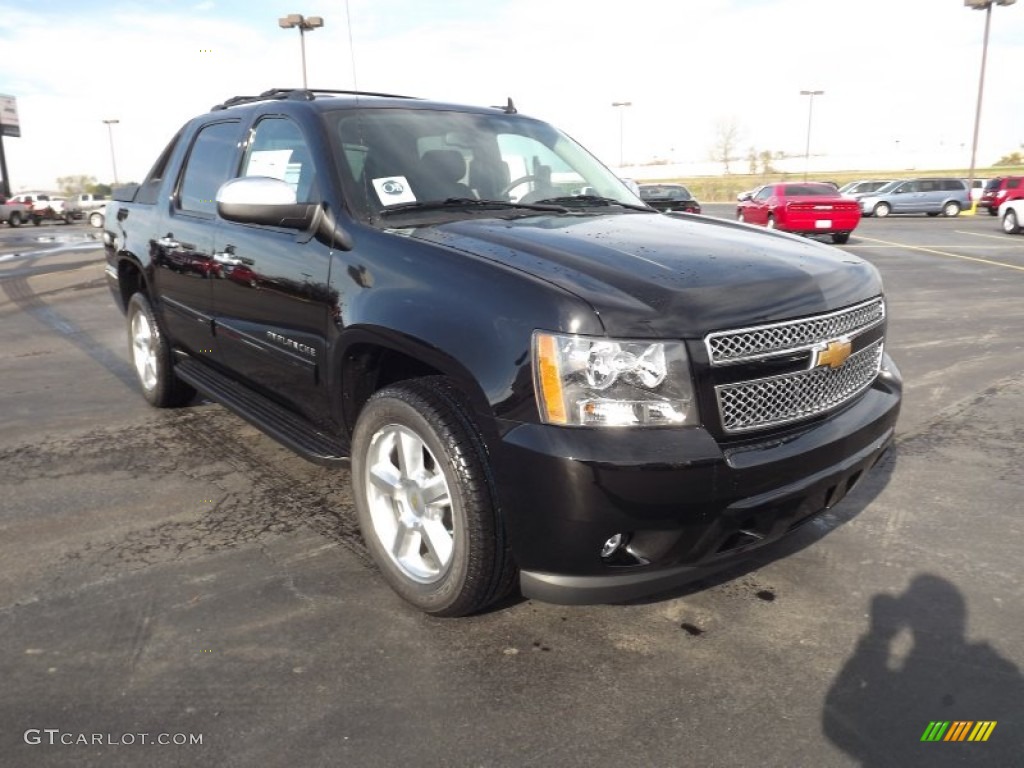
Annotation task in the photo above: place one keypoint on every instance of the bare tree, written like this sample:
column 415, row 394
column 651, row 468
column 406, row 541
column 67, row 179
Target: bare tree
column 727, row 137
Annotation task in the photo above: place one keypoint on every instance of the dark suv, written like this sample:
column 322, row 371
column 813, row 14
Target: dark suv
column 999, row 190
column 571, row 389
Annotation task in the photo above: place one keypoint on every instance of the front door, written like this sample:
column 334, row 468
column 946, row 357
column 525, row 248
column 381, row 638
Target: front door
column 272, row 297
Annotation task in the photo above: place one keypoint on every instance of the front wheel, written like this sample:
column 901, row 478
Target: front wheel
column 96, row 219
column 739, row 217
column 882, row 210
column 15, row 219
column 770, row 223
column 951, row 209
column 1011, row 224
column 151, row 357
column 424, row 495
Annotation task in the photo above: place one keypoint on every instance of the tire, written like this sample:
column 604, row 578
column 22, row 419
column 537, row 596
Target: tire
column 1011, row 224
column 96, row 219
column 770, row 224
column 739, row 217
column 951, row 209
column 840, row 238
column 882, row 210
column 992, row 211
column 37, row 220
column 14, row 220
column 413, row 441
column 151, row 357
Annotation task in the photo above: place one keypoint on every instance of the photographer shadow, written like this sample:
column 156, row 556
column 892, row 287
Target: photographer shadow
column 914, row 666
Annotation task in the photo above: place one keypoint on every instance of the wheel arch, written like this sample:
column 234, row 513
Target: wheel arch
column 374, row 358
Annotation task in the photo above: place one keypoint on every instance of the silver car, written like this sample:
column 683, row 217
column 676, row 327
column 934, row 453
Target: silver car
column 931, row 196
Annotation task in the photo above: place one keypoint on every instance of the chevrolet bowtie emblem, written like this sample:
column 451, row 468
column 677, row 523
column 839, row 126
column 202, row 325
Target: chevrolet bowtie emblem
column 833, row 354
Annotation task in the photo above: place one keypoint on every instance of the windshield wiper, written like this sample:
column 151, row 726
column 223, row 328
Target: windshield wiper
column 594, row 200
column 468, row 202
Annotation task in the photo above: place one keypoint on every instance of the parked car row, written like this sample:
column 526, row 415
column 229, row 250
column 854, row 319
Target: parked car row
column 37, row 207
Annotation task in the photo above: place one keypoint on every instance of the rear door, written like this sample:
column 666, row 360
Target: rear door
column 182, row 252
column 272, row 298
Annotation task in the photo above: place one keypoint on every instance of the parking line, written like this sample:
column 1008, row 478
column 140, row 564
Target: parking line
column 943, row 253
column 994, row 237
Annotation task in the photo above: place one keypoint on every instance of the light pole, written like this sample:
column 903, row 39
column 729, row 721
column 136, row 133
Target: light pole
column 622, row 111
column 981, row 5
column 110, row 135
column 810, row 113
column 305, row 25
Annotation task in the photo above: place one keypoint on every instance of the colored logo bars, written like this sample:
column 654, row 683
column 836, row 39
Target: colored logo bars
column 958, row 730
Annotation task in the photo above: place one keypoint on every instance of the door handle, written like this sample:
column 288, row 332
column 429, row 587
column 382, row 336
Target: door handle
column 168, row 241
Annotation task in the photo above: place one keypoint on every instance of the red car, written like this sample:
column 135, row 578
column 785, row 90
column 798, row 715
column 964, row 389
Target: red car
column 806, row 208
column 1001, row 190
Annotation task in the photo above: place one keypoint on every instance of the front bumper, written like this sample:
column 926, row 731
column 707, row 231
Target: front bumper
column 688, row 505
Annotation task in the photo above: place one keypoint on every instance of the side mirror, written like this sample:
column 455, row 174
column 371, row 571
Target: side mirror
column 743, row 197
column 263, row 200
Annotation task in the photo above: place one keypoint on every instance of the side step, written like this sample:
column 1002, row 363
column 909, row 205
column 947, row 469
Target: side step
column 288, row 428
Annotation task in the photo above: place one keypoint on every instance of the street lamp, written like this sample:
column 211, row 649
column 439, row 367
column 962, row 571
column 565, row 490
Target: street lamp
column 622, row 112
column 810, row 113
column 981, row 5
column 305, row 24
column 110, row 135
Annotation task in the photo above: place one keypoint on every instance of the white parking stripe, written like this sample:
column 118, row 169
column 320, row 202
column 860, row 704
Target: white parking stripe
column 1004, row 238
column 943, row 253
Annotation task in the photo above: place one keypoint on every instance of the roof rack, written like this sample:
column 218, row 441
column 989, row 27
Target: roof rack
column 297, row 94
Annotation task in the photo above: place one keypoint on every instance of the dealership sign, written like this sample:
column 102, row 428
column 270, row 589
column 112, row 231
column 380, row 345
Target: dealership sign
column 9, row 116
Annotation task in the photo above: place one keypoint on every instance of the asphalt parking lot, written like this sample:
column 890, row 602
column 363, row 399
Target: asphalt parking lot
column 177, row 574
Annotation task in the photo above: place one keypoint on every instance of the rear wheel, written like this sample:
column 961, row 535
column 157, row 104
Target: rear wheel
column 37, row 220
column 1011, row 224
column 424, row 494
column 882, row 210
column 839, row 238
column 151, row 357
column 952, row 208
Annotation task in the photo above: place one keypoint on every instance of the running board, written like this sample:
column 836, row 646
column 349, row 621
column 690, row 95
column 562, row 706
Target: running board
column 288, row 428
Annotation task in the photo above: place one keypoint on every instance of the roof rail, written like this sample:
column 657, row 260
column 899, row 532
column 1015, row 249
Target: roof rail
column 297, row 94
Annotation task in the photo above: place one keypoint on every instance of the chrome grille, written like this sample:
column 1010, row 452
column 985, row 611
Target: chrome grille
column 780, row 399
column 744, row 344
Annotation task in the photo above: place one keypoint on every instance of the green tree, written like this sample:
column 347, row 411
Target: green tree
column 1014, row 158
column 103, row 190
column 73, row 185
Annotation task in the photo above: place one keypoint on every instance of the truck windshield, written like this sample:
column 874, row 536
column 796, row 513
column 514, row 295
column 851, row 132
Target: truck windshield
column 398, row 157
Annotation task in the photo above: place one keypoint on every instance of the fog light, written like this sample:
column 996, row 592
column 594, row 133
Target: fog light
column 613, row 545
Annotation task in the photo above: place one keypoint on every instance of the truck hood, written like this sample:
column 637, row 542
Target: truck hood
column 650, row 275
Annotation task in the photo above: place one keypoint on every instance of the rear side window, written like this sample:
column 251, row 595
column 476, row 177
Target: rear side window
column 209, row 165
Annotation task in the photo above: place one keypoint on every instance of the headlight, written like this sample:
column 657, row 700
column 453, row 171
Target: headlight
column 587, row 381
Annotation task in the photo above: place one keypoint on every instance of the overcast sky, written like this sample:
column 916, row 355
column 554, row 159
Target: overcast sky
column 900, row 76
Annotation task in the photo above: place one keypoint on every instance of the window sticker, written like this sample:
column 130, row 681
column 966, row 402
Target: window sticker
column 392, row 190
column 269, row 162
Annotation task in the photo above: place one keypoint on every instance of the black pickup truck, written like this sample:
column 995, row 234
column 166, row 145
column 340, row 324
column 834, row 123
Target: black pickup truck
column 569, row 390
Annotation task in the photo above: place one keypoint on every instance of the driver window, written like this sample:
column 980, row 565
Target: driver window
column 277, row 149
column 764, row 193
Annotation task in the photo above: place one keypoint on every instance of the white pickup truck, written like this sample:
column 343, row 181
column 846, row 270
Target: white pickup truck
column 87, row 206
column 1011, row 213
